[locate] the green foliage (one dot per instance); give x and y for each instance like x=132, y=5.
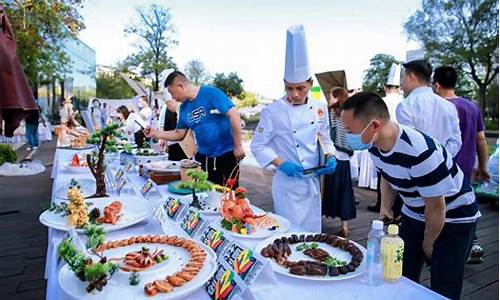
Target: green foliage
x=196, y=72
x=376, y=75
x=68, y=253
x=112, y=86
x=249, y=99
x=97, y=271
x=7, y=154
x=155, y=32
x=95, y=235
x=460, y=33
x=198, y=181
x=40, y=27
x=134, y=278
x=230, y=84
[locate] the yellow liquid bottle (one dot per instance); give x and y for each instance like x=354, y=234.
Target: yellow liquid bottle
x=392, y=249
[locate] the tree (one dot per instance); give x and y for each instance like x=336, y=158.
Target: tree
x=376, y=75
x=249, y=99
x=112, y=86
x=155, y=32
x=104, y=140
x=40, y=29
x=230, y=84
x=462, y=33
x=196, y=72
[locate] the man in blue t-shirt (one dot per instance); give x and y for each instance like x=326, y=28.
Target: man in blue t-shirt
x=216, y=124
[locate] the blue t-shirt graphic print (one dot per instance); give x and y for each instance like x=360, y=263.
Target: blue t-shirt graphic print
x=206, y=116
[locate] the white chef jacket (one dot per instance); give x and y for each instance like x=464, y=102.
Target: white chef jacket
x=147, y=115
x=432, y=115
x=130, y=127
x=392, y=101
x=292, y=133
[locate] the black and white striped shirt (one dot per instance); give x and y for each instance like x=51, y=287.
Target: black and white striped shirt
x=418, y=167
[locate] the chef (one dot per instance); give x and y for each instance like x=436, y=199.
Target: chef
x=287, y=137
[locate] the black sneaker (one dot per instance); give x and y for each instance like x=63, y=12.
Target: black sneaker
x=476, y=254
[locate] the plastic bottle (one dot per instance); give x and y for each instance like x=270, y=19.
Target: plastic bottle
x=392, y=254
x=493, y=165
x=373, y=274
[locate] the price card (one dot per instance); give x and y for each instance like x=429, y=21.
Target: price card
x=175, y=209
x=244, y=263
x=148, y=185
x=128, y=166
x=225, y=284
x=120, y=184
x=193, y=223
x=163, y=218
x=119, y=174
x=215, y=239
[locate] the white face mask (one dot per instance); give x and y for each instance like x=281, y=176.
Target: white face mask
x=141, y=104
x=96, y=104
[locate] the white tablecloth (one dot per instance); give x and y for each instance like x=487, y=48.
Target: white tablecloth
x=286, y=287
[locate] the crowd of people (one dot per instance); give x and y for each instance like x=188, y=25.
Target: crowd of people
x=423, y=140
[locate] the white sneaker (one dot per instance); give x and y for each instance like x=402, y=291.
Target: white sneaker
x=34, y=148
x=28, y=148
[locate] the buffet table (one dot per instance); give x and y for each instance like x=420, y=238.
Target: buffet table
x=283, y=288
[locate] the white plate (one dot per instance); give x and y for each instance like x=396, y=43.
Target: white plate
x=164, y=166
x=87, y=186
x=135, y=210
x=260, y=233
x=119, y=288
x=297, y=255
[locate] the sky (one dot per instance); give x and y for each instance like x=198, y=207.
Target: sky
x=248, y=36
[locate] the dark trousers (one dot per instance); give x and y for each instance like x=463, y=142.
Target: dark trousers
x=398, y=202
x=176, y=153
x=32, y=134
x=140, y=138
x=449, y=255
x=219, y=168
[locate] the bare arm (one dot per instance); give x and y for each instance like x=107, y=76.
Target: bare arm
x=171, y=135
x=435, y=212
x=482, y=154
x=388, y=194
x=235, y=121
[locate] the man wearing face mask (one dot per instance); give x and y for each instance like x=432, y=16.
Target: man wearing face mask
x=440, y=211
x=287, y=137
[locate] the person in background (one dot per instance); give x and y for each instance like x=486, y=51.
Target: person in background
x=145, y=112
x=392, y=99
x=96, y=114
x=216, y=124
x=132, y=123
x=31, y=123
x=423, y=110
x=473, y=137
x=67, y=114
x=338, y=194
x=168, y=121
x=440, y=210
x=104, y=114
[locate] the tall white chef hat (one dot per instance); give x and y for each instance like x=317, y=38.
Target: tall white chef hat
x=297, y=67
x=394, y=75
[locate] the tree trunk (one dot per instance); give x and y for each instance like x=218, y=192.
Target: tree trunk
x=35, y=90
x=97, y=170
x=482, y=99
x=54, y=104
x=61, y=83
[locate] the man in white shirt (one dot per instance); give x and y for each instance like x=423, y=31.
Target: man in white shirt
x=424, y=110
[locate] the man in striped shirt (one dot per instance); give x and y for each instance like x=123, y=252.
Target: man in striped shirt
x=440, y=210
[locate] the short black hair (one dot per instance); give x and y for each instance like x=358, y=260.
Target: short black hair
x=366, y=106
x=446, y=76
x=172, y=76
x=421, y=68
